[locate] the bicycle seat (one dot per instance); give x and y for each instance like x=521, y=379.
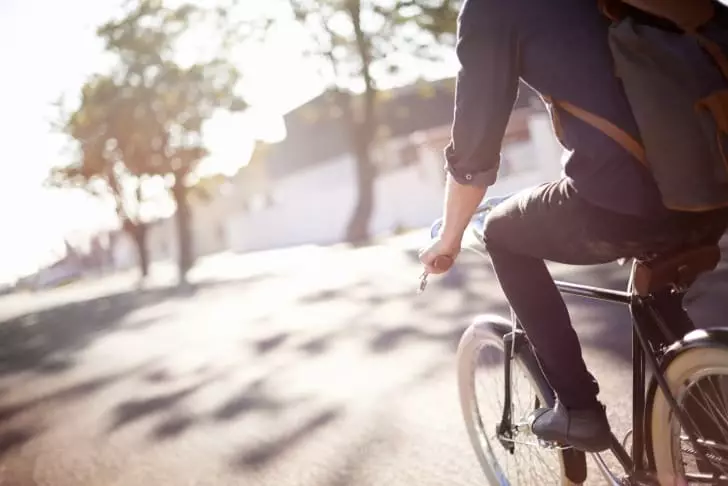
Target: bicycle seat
x=676, y=269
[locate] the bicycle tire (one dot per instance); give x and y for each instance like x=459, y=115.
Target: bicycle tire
x=490, y=331
x=661, y=421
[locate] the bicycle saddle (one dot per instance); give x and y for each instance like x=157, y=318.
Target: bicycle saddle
x=677, y=269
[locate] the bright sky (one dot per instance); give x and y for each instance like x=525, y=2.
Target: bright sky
x=48, y=47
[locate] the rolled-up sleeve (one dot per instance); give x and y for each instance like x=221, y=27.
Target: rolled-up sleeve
x=486, y=89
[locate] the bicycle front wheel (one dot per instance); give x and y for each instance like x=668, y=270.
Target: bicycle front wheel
x=515, y=458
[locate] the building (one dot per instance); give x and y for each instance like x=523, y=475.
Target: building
x=305, y=190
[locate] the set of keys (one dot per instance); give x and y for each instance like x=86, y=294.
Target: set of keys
x=423, y=282
x=442, y=263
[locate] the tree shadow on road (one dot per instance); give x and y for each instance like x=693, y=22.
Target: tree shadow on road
x=132, y=411
x=14, y=435
x=263, y=454
x=253, y=398
x=76, y=391
x=14, y=438
x=48, y=341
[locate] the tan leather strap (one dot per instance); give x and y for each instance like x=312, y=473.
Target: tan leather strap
x=717, y=104
x=715, y=52
x=608, y=128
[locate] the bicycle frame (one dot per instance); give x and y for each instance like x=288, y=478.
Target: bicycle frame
x=644, y=315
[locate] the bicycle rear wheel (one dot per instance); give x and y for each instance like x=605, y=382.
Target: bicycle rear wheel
x=518, y=459
x=698, y=380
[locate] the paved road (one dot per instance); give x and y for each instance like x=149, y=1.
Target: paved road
x=311, y=367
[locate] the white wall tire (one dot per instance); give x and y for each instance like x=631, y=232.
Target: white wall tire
x=664, y=426
x=473, y=341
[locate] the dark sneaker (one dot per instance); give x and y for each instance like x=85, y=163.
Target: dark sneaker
x=587, y=430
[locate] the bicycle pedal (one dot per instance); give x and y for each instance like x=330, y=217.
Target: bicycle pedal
x=546, y=444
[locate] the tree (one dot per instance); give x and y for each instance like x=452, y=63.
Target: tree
x=99, y=166
x=91, y=173
x=144, y=119
x=361, y=42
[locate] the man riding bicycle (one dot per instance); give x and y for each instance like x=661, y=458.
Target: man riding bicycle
x=606, y=206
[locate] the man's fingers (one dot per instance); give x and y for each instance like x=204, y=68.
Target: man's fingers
x=436, y=264
x=426, y=257
x=442, y=263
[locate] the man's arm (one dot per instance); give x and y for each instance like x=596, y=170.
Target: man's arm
x=486, y=89
x=461, y=201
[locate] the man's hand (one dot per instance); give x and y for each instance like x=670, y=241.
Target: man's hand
x=461, y=201
x=438, y=248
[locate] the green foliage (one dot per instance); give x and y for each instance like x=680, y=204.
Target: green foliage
x=144, y=118
x=362, y=38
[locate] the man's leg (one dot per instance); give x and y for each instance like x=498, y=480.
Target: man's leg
x=553, y=223
x=541, y=311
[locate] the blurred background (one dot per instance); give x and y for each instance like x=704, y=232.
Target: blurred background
x=211, y=213
x=153, y=132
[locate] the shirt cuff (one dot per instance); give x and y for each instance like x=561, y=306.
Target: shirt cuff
x=467, y=176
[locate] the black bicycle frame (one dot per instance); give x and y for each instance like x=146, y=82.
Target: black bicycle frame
x=644, y=316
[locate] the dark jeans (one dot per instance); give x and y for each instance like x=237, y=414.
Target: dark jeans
x=551, y=222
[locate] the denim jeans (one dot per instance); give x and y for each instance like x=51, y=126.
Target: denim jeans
x=551, y=222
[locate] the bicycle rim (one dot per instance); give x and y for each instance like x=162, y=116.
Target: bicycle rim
x=698, y=378
x=482, y=395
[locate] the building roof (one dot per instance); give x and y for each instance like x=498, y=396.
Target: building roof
x=316, y=133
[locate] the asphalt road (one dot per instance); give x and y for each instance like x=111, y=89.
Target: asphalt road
x=310, y=366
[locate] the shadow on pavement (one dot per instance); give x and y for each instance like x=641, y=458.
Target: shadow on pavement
x=14, y=438
x=132, y=411
x=253, y=398
x=65, y=394
x=48, y=341
x=262, y=454
x=388, y=340
x=172, y=427
x=270, y=343
x=51, y=340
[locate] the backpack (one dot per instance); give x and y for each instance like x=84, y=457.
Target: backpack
x=674, y=71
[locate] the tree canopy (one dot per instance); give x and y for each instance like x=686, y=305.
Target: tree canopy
x=144, y=118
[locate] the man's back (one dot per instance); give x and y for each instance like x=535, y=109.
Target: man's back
x=564, y=54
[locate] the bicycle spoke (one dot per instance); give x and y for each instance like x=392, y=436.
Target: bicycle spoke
x=706, y=397
x=530, y=463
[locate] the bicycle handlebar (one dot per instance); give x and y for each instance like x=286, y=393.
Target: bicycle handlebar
x=476, y=226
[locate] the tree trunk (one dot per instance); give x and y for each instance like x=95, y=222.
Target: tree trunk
x=184, y=235
x=138, y=233
x=357, y=231
x=362, y=123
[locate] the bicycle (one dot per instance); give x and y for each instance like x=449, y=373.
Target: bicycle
x=661, y=428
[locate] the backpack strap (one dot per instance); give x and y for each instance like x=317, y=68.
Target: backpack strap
x=612, y=9
x=611, y=130
x=715, y=52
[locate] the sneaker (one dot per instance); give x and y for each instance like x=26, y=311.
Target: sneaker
x=586, y=429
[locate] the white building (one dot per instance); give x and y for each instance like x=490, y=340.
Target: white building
x=305, y=191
